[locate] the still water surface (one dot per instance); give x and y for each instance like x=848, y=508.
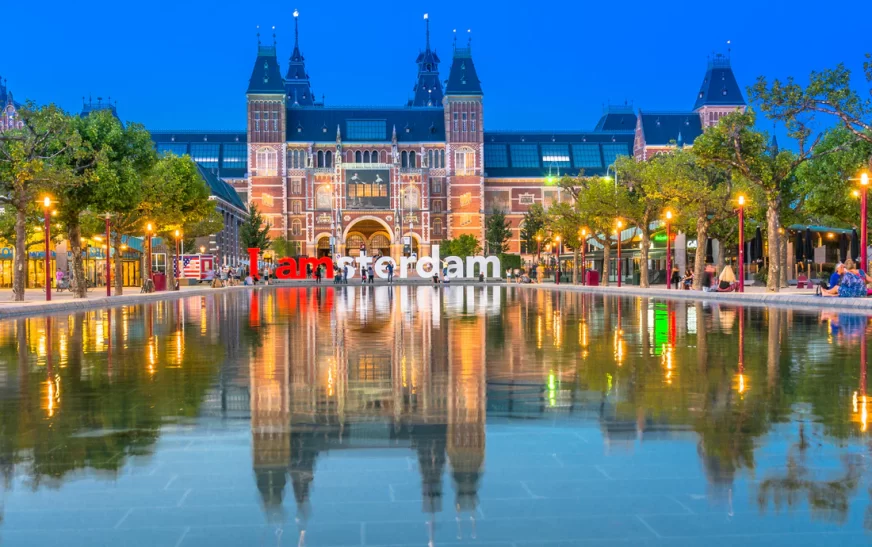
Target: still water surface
x=414, y=415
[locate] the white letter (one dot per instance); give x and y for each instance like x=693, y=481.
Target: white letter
x=363, y=261
x=381, y=266
x=404, y=267
x=432, y=261
x=482, y=262
x=455, y=267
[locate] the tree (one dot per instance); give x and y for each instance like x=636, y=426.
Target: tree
x=28, y=164
x=464, y=246
x=532, y=225
x=735, y=145
x=497, y=232
x=829, y=92
x=642, y=182
x=254, y=233
x=565, y=221
x=700, y=194
x=284, y=248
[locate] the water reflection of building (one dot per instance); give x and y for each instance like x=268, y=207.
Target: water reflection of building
x=361, y=368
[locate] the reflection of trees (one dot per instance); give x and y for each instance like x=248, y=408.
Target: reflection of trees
x=79, y=403
x=827, y=498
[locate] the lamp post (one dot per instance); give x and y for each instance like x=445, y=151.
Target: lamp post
x=538, y=249
x=177, y=265
x=46, y=203
x=741, y=244
x=557, y=250
x=148, y=230
x=583, y=262
x=618, y=233
x=864, y=185
x=668, y=251
x=108, y=268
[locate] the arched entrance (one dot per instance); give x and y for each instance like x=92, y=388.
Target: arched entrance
x=322, y=249
x=370, y=235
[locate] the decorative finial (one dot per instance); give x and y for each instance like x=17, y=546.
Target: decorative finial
x=729, y=49
x=427, y=19
x=296, y=28
x=274, y=35
x=469, y=42
x=455, y=38
x=258, y=35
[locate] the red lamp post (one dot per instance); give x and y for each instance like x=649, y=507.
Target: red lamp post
x=108, y=268
x=178, y=265
x=668, y=251
x=864, y=184
x=618, y=232
x=148, y=231
x=46, y=202
x=557, y=251
x=538, y=249
x=583, y=262
x=741, y=244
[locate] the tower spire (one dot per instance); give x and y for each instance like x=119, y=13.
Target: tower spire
x=297, y=85
x=428, y=88
x=427, y=20
x=296, y=28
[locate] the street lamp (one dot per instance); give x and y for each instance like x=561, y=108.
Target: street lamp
x=864, y=185
x=538, y=249
x=668, y=251
x=557, y=250
x=618, y=233
x=583, y=262
x=741, y=244
x=108, y=268
x=148, y=231
x=178, y=265
x=614, y=168
x=46, y=204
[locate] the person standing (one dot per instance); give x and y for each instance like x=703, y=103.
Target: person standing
x=390, y=272
x=371, y=273
x=318, y=275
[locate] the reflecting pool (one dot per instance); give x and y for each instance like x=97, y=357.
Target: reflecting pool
x=414, y=416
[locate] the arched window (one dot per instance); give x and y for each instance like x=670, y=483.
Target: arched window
x=357, y=157
x=404, y=159
x=328, y=159
x=266, y=162
x=437, y=226
x=430, y=158
x=322, y=198
x=350, y=157
x=296, y=228
x=375, y=156
x=464, y=161
x=320, y=158
x=353, y=243
x=411, y=198
x=384, y=157
x=412, y=159
x=366, y=157
x=442, y=159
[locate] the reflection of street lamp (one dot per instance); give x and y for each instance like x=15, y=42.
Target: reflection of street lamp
x=741, y=243
x=46, y=203
x=668, y=251
x=618, y=233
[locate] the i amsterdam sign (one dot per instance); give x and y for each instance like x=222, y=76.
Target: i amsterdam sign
x=426, y=266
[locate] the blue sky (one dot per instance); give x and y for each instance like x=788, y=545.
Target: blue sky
x=185, y=64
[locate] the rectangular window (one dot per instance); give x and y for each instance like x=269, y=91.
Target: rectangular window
x=437, y=186
x=555, y=155
x=361, y=130
x=437, y=206
x=275, y=125
x=464, y=121
x=473, y=121
x=495, y=156
x=455, y=121
x=296, y=186
x=586, y=155
x=525, y=155
x=296, y=207
x=177, y=148
x=205, y=154
x=464, y=162
x=235, y=156
x=611, y=152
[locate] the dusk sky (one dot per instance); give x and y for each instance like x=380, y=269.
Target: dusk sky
x=552, y=65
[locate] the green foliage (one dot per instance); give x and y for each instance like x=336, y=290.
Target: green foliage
x=254, y=232
x=510, y=262
x=533, y=226
x=285, y=248
x=497, y=232
x=463, y=246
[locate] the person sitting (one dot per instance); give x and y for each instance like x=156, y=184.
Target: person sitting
x=727, y=280
x=852, y=283
x=249, y=281
x=831, y=287
x=687, y=280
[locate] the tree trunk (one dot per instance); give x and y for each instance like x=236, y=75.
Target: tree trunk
x=79, y=283
x=19, y=274
x=575, y=265
x=772, y=224
x=171, y=270
x=606, y=256
x=721, y=257
x=119, y=265
x=699, y=259
x=643, y=259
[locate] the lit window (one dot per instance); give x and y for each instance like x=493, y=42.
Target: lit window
x=495, y=156
x=266, y=162
x=205, y=154
x=586, y=155
x=322, y=198
x=555, y=155
x=525, y=155
x=296, y=186
x=464, y=161
x=296, y=228
x=234, y=156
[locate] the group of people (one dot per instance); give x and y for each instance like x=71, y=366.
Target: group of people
x=847, y=281
x=725, y=282
x=228, y=276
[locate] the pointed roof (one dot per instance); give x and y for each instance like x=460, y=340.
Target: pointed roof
x=297, y=84
x=428, y=89
x=6, y=95
x=719, y=87
x=463, y=79
x=266, y=77
x=664, y=128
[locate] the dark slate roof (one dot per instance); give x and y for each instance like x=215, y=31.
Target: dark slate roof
x=462, y=79
x=221, y=189
x=266, y=77
x=91, y=106
x=719, y=87
x=180, y=141
x=413, y=124
x=617, y=118
x=428, y=88
x=661, y=128
x=6, y=96
x=603, y=144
